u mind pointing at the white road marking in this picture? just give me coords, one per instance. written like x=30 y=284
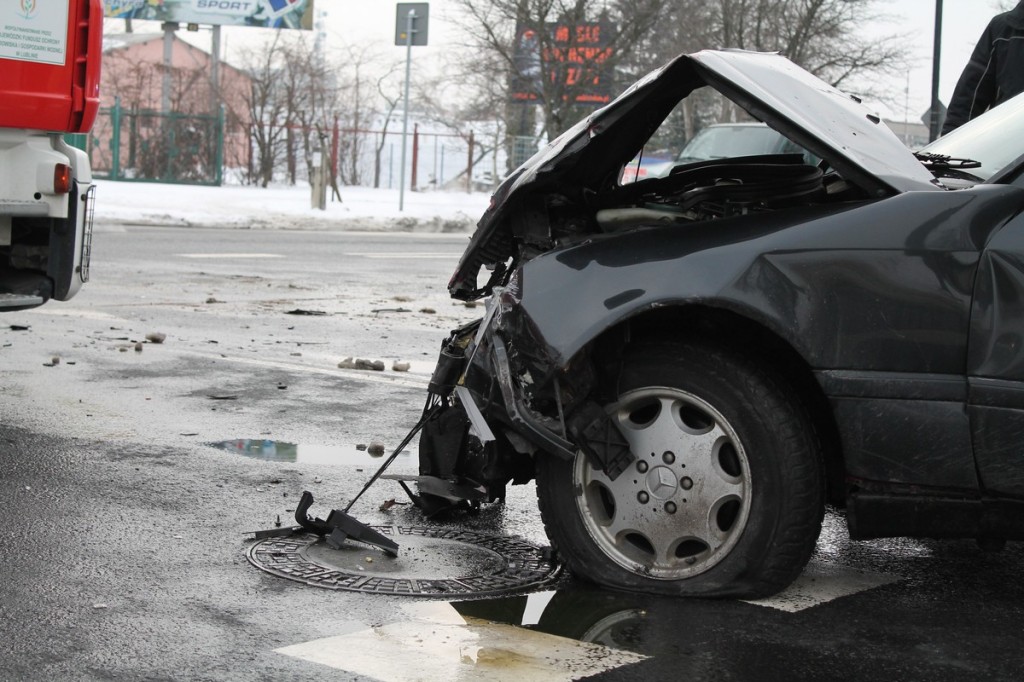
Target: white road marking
x=229 y=255
x=822 y=582
x=536 y=602
x=439 y=644
x=392 y=379
x=73 y=312
x=407 y=255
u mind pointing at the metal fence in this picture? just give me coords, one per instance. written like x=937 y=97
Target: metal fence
x=131 y=144
x=435 y=160
x=150 y=146
x=372 y=158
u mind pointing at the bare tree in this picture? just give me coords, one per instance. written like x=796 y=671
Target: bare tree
x=268 y=109
x=823 y=36
x=479 y=80
x=368 y=97
x=472 y=121
x=312 y=94
x=390 y=100
x=354 y=113
x=301 y=95
x=292 y=104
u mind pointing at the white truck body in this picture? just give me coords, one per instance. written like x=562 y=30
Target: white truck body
x=45 y=234
x=50 y=59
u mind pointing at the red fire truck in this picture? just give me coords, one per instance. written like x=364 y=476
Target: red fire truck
x=49 y=86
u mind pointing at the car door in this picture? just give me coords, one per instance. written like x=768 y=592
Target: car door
x=995 y=363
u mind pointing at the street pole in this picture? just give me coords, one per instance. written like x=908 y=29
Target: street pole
x=215 y=69
x=169 y=28
x=405 y=118
x=933 y=128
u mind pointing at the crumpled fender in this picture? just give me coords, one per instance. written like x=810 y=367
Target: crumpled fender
x=786 y=270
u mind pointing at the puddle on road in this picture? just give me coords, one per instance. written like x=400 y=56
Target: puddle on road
x=563 y=635
x=306 y=453
x=454 y=641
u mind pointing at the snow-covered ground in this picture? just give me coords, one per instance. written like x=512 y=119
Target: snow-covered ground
x=282 y=207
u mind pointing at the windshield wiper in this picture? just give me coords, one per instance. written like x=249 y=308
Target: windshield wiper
x=941 y=161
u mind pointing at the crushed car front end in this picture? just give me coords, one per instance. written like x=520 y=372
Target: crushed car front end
x=665 y=356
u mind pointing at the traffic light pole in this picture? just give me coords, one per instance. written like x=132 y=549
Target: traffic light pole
x=933 y=121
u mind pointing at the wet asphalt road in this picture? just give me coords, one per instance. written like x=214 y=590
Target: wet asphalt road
x=122 y=540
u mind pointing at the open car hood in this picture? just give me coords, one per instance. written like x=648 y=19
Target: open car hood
x=817 y=116
x=585 y=159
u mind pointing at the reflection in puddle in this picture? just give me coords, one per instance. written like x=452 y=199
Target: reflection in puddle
x=304 y=453
x=599 y=617
x=439 y=642
x=580 y=631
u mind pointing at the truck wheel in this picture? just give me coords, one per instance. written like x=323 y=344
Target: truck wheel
x=726 y=495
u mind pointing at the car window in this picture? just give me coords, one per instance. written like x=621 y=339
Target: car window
x=994 y=139
x=726 y=141
x=668 y=146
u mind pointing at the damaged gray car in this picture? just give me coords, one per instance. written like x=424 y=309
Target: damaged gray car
x=693 y=366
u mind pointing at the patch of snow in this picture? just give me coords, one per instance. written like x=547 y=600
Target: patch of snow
x=285 y=207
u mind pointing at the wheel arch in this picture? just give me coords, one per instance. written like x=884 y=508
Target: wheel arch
x=743 y=335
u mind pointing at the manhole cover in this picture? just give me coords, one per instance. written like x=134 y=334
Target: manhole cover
x=432 y=562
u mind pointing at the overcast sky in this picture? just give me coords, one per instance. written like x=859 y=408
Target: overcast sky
x=363 y=21
x=963 y=21
x=962 y=24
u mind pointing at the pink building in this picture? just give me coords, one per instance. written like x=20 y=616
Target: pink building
x=179 y=143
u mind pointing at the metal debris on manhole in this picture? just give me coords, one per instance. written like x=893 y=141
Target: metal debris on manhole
x=434 y=562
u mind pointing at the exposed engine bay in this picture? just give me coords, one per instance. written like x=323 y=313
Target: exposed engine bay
x=707 y=191
x=689 y=194
x=715 y=189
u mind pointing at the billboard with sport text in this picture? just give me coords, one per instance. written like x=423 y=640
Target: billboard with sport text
x=265 y=13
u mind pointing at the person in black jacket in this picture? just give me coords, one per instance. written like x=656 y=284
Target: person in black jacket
x=995 y=72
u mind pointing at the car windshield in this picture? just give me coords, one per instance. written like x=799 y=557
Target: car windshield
x=721 y=142
x=995 y=139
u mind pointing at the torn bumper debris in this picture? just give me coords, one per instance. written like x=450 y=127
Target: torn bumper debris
x=337 y=528
x=500 y=406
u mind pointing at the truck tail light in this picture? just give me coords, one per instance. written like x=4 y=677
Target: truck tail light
x=61 y=178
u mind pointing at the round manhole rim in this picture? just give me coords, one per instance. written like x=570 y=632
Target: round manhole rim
x=524 y=566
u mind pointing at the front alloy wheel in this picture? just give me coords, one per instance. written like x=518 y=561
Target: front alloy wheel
x=684 y=503
x=725 y=496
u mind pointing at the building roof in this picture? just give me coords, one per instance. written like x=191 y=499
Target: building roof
x=117 y=41
x=124 y=41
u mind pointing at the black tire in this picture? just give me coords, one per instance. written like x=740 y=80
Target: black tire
x=726 y=496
